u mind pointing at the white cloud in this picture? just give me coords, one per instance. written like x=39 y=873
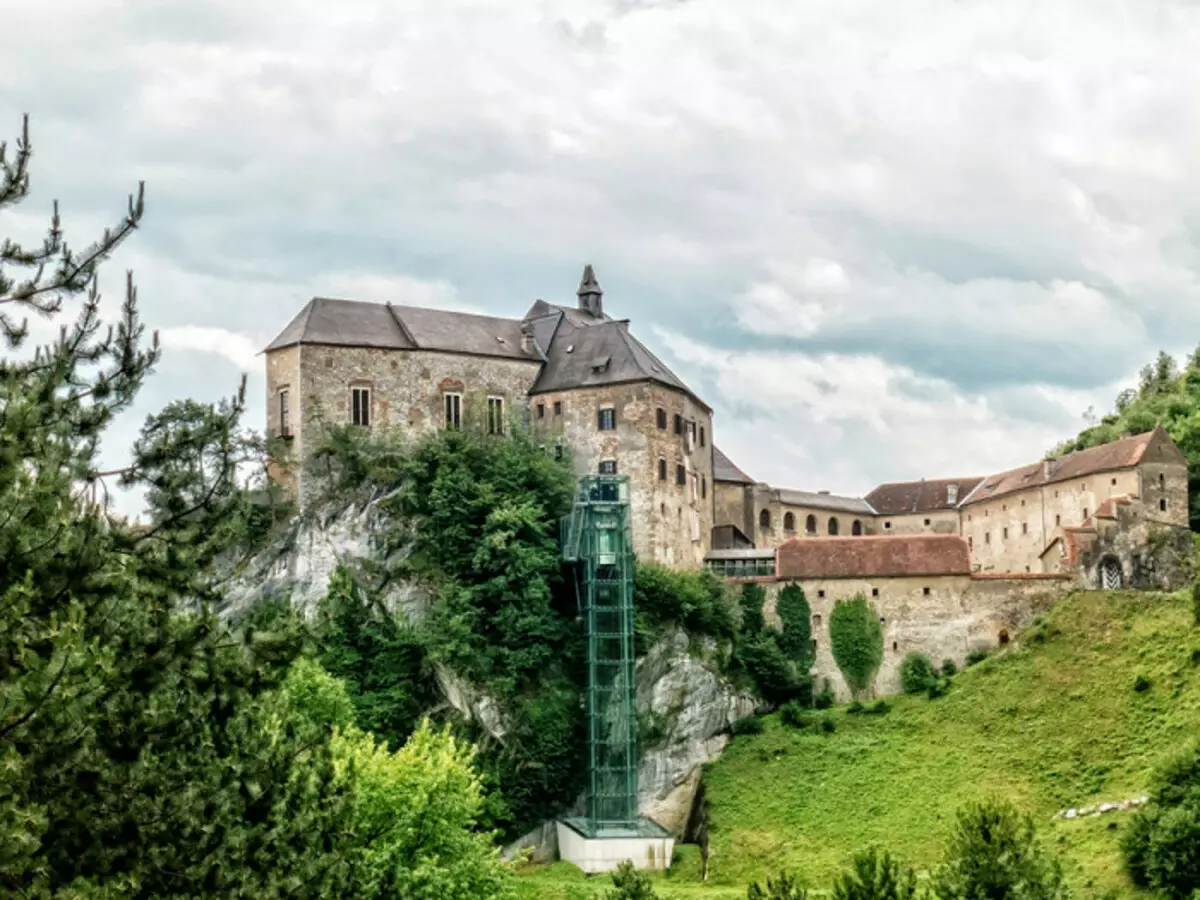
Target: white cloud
x=237 y=348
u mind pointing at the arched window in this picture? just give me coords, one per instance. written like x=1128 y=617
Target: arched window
x=856 y=528
x=833 y=525
x=789 y=522
x=810 y=525
x=764 y=519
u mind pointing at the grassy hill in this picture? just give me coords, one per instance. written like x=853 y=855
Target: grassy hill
x=1051 y=723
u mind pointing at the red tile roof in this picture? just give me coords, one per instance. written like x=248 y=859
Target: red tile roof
x=1124 y=453
x=919 y=496
x=873 y=557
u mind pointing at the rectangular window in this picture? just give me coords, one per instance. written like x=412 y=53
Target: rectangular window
x=1024 y=528
x=285 y=422
x=703 y=487
x=495 y=419
x=660 y=416
x=606 y=419
x=701 y=435
x=360 y=406
x=680 y=475
x=558 y=407
x=1057 y=520
x=453 y=407
x=662 y=470
x=987 y=537
x=678 y=423
x=1006 y=532
x=608 y=467
x=541 y=410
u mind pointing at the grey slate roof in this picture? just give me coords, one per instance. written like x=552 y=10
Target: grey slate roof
x=350 y=323
x=577 y=348
x=725 y=470
x=825 y=501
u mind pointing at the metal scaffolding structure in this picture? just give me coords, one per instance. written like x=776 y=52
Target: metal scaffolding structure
x=597 y=540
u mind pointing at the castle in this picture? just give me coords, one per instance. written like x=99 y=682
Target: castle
x=585 y=384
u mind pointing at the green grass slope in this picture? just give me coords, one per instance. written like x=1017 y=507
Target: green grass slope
x=1054 y=722
x=1051 y=723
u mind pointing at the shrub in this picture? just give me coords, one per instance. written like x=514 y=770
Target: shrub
x=828 y=725
x=916 y=673
x=881 y=708
x=1196 y=602
x=874 y=875
x=1162 y=844
x=826 y=698
x=856 y=638
x=937 y=688
x=994 y=852
x=697 y=600
x=794 y=715
x=630 y=884
x=949 y=669
x=1196 y=657
x=855 y=708
x=759 y=656
x=795 y=615
x=1141 y=683
x=747 y=725
x=976 y=656
x=785 y=888
x=753 y=597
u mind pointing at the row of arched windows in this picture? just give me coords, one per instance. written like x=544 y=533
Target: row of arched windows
x=810 y=524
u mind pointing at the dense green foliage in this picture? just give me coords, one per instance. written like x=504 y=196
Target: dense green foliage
x=630 y=884
x=696 y=600
x=782 y=887
x=795 y=617
x=994 y=852
x=148 y=749
x=1165 y=395
x=874 y=875
x=476 y=517
x=1196 y=603
x=856 y=638
x=1162 y=843
x=916 y=673
x=752 y=599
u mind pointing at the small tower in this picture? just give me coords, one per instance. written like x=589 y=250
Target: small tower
x=591 y=297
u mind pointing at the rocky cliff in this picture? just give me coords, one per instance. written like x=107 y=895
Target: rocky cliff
x=679 y=685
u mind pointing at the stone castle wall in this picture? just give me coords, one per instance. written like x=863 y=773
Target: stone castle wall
x=672 y=522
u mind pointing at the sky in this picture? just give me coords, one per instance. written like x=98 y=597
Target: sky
x=882 y=240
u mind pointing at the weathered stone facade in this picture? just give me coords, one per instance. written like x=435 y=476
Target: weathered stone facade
x=670 y=473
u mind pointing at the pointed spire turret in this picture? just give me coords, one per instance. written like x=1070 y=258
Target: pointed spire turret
x=591 y=297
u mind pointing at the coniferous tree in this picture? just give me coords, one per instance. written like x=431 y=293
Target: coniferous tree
x=144 y=750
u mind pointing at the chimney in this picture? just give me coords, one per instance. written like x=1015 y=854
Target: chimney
x=1047 y=468
x=952 y=494
x=591 y=298
x=527 y=337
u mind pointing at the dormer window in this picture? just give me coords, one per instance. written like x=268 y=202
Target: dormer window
x=600 y=365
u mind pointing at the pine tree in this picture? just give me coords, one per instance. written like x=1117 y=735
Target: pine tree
x=144 y=750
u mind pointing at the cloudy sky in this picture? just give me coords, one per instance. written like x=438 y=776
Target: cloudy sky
x=884 y=240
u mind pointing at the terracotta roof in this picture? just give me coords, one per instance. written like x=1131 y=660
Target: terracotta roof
x=874 y=557
x=1124 y=453
x=1108 y=509
x=725 y=470
x=902 y=497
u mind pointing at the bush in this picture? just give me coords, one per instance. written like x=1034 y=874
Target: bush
x=1162 y=844
x=994 y=852
x=949 y=669
x=881 y=708
x=795 y=615
x=697 y=600
x=937 y=688
x=855 y=708
x=828 y=725
x=916 y=673
x=1196 y=602
x=856 y=638
x=874 y=875
x=1141 y=684
x=794 y=715
x=976 y=656
x=759 y=656
x=753 y=597
x=825 y=699
x=630 y=884
x=785 y=888
x=747 y=725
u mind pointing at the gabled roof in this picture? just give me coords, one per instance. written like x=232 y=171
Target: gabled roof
x=725 y=470
x=818 y=500
x=351 y=323
x=591 y=351
x=873 y=557
x=1124 y=453
x=898 y=498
